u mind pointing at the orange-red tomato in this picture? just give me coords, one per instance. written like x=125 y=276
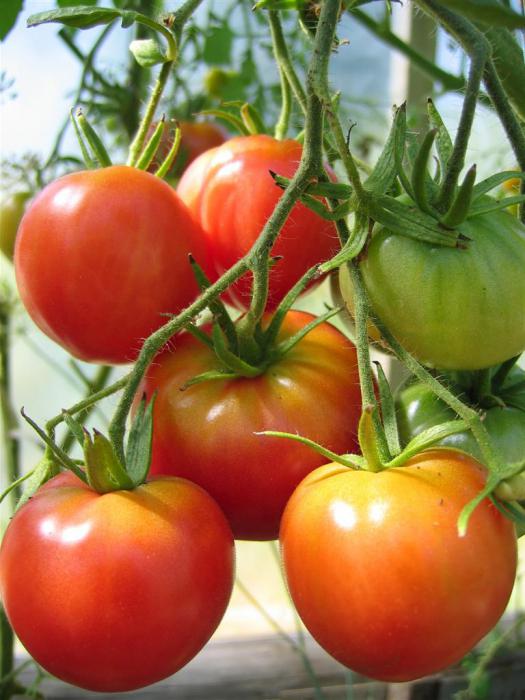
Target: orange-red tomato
x=113 y=592
x=378 y=572
x=100 y=256
x=231 y=193
x=207 y=432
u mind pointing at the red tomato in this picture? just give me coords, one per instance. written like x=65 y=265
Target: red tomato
x=113 y=592
x=378 y=573
x=206 y=433
x=231 y=193
x=100 y=255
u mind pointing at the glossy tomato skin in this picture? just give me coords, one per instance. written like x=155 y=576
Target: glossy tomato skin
x=207 y=432
x=418 y=408
x=452 y=308
x=114 y=592
x=100 y=256
x=231 y=193
x=378 y=573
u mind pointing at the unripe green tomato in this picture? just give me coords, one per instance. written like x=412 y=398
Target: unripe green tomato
x=12 y=208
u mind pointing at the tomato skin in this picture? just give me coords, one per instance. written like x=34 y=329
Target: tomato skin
x=114 y=592
x=207 y=432
x=452 y=308
x=378 y=573
x=100 y=255
x=231 y=194
x=418 y=408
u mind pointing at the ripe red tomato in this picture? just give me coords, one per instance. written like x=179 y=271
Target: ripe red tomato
x=377 y=570
x=231 y=193
x=113 y=592
x=207 y=432
x=100 y=256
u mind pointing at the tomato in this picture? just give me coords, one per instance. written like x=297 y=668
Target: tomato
x=417 y=408
x=196 y=138
x=12 y=208
x=206 y=433
x=100 y=256
x=113 y=592
x=231 y=193
x=378 y=572
x=452 y=308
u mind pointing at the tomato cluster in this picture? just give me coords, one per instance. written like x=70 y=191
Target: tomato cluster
x=132 y=582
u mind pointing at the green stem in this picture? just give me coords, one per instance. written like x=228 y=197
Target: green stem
x=478 y=49
x=8 y=415
x=511 y=124
x=284 y=62
x=281 y=126
x=138 y=142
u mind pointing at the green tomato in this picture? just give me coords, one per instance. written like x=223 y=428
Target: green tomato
x=452 y=308
x=12 y=208
x=418 y=408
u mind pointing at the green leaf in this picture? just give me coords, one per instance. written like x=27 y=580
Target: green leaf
x=81 y=17
x=138 y=448
x=75 y=3
x=147 y=52
x=218 y=46
x=103 y=468
x=8 y=16
x=488 y=12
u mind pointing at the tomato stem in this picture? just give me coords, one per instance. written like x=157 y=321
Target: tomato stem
x=280 y=52
x=478 y=49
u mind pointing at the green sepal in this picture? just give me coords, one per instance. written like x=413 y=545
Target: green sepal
x=166 y=164
x=89 y=161
x=45 y=470
x=228 y=117
x=367 y=437
x=104 y=470
x=487 y=205
x=138 y=448
x=388 y=412
x=335 y=190
x=151 y=147
x=409 y=221
x=252 y=120
x=209 y=376
x=75 y=427
x=420 y=172
x=386 y=168
x=98 y=149
x=513 y=511
x=399 y=148
x=495 y=181
x=350 y=461
x=286 y=345
x=459 y=209
x=488 y=12
x=80 y=17
x=341 y=211
x=444 y=145
x=427 y=439
x=229 y=359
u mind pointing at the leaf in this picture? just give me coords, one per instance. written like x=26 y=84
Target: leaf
x=81 y=17
x=218 y=46
x=138 y=448
x=8 y=16
x=488 y=12
x=147 y=52
x=75 y=3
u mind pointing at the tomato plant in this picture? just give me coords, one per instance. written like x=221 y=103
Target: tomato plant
x=206 y=433
x=231 y=193
x=452 y=308
x=378 y=572
x=115 y=243
x=116 y=591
